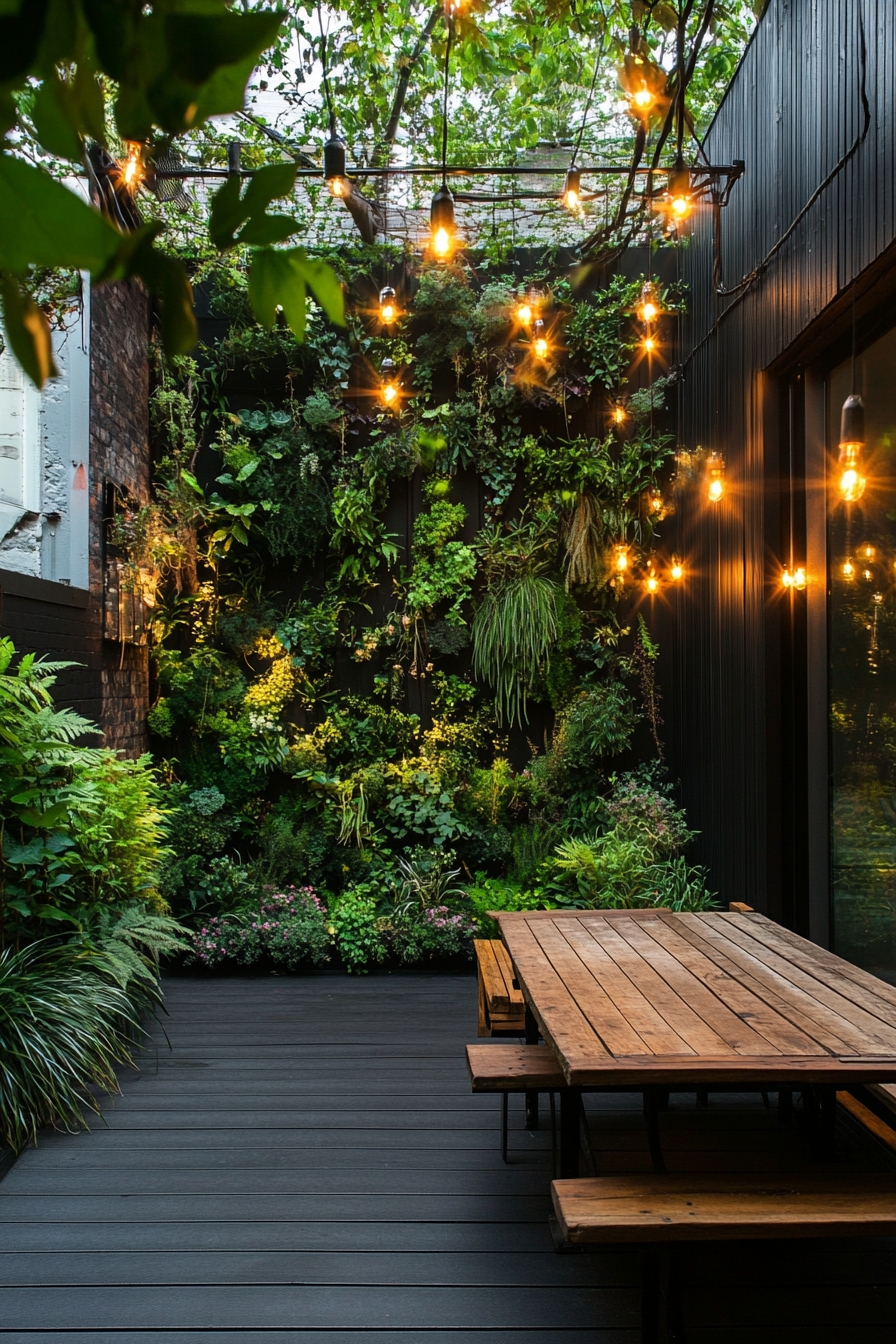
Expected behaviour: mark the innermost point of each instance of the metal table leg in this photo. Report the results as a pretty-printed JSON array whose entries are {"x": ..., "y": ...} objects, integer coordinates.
[
  {"x": 570, "y": 1122},
  {"x": 532, "y": 1038}
]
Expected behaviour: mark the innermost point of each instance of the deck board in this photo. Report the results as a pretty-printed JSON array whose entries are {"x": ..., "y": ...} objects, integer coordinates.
[{"x": 308, "y": 1165}]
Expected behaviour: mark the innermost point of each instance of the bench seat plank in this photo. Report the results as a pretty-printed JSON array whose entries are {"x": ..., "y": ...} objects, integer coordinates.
[
  {"x": 611, "y": 1209},
  {"x": 514, "y": 1068}
]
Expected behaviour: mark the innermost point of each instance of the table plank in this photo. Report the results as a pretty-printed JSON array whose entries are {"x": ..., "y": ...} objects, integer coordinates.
[
  {"x": 738, "y": 1035},
  {"x": 562, "y": 1023},
  {"x": 681, "y": 1018},
  {"x": 875, "y": 996},
  {"x": 873, "y": 1036},
  {"x": 797, "y": 1033},
  {"x": 653, "y": 1035},
  {"x": 618, "y": 1033},
  {"x": 770, "y": 1026}
]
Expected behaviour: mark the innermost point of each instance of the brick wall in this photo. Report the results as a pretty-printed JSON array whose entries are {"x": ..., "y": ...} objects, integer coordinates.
[
  {"x": 111, "y": 686},
  {"x": 119, "y": 452}
]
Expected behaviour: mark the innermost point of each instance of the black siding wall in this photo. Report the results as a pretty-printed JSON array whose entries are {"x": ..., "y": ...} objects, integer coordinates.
[{"x": 744, "y": 687}]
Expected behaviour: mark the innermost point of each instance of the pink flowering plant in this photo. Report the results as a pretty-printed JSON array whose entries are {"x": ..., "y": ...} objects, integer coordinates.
[{"x": 286, "y": 930}]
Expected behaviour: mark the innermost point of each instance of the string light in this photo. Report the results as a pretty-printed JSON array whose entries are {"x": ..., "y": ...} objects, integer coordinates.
[
  {"x": 677, "y": 570},
  {"x": 716, "y": 477},
  {"x": 852, "y": 442},
  {"x": 868, "y": 552},
  {"x": 572, "y": 189},
  {"x": 652, "y": 583},
  {"x": 388, "y": 388},
  {"x": 679, "y": 196},
  {"x": 848, "y": 569},
  {"x": 656, "y": 503},
  {"x": 441, "y": 219},
  {"x": 648, "y": 308},
  {"x": 794, "y": 579},
  {"x": 649, "y": 344},
  {"x": 334, "y": 168},
  {"x": 524, "y": 314},
  {"x": 642, "y": 100},
  {"x": 619, "y": 415},
  {"x": 130, "y": 171},
  {"x": 388, "y": 305},
  {"x": 539, "y": 344},
  {"x": 621, "y": 558}
]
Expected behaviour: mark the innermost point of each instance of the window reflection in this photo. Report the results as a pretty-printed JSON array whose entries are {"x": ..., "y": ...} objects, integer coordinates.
[{"x": 862, "y": 682}]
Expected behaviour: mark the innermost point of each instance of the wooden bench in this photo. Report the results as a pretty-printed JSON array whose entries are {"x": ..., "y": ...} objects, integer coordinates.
[
  {"x": 501, "y": 1003},
  {"x": 659, "y": 1211},
  {"x": 515, "y": 1068}
]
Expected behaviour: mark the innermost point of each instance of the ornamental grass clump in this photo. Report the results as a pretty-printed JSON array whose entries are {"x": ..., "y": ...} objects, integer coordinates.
[
  {"x": 65, "y": 1022},
  {"x": 284, "y": 931}
]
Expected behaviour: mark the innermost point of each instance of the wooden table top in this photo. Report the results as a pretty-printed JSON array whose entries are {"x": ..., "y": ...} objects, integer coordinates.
[{"x": 633, "y": 998}]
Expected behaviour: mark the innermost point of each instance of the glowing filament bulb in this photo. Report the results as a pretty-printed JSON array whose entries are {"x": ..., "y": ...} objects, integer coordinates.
[
  {"x": 388, "y": 306},
  {"x": 618, "y": 415},
  {"x": 656, "y": 503},
  {"x": 642, "y": 98},
  {"x": 649, "y": 344},
  {"x": 848, "y": 569},
  {"x": 716, "y": 491},
  {"x": 799, "y": 578},
  {"x": 681, "y": 206},
  {"x": 868, "y": 552},
  {"x": 541, "y": 348},
  {"x": 441, "y": 242},
  {"x": 716, "y": 477},
  {"x": 131, "y": 171},
  {"x": 337, "y": 187},
  {"x": 652, "y": 583},
  {"x": 390, "y": 392},
  {"x": 787, "y": 579},
  {"x": 648, "y": 311},
  {"x": 524, "y": 314},
  {"x": 621, "y": 559},
  {"x": 677, "y": 571}
]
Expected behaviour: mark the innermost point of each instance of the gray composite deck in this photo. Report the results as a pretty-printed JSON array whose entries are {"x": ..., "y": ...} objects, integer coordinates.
[{"x": 307, "y": 1164}]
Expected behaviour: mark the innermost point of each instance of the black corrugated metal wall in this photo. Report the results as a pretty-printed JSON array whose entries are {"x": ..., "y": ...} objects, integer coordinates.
[{"x": 734, "y": 666}]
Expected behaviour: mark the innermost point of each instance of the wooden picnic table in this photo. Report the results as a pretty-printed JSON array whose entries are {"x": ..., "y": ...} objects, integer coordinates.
[{"x": 653, "y": 999}]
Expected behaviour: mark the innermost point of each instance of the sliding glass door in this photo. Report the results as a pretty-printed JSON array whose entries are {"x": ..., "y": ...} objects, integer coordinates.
[{"x": 862, "y": 670}]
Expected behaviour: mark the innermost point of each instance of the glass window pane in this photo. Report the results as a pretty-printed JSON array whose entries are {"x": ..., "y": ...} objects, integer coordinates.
[{"x": 862, "y": 549}]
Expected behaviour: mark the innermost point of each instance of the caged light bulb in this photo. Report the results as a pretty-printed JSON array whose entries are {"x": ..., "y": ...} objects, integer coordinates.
[{"x": 388, "y": 305}]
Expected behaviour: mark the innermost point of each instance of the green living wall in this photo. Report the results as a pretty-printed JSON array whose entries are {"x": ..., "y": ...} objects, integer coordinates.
[{"x": 402, "y": 651}]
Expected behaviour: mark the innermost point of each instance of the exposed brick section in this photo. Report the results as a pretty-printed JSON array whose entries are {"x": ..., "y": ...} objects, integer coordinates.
[
  {"x": 112, "y": 688},
  {"x": 119, "y": 452}
]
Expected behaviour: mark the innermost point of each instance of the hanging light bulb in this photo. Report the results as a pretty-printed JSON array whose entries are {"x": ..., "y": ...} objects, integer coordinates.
[
  {"x": 852, "y": 441},
  {"x": 786, "y": 579},
  {"x": 388, "y": 305},
  {"x": 648, "y": 345},
  {"x": 677, "y": 570},
  {"x": 679, "y": 196},
  {"x": 641, "y": 100},
  {"x": 572, "y": 189},
  {"x": 848, "y": 569},
  {"x": 130, "y": 169},
  {"x": 648, "y": 308},
  {"x": 441, "y": 222},
  {"x": 652, "y": 583},
  {"x": 867, "y": 552},
  {"x": 524, "y": 313},
  {"x": 388, "y": 387},
  {"x": 334, "y": 168},
  {"x": 656, "y": 503},
  {"x": 716, "y": 477},
  {"x": 618, "y": 414},
  {"x": 539, "y": 343},
  {"x": 799, "y": 578},
  {"x": 621, "y": 558}
]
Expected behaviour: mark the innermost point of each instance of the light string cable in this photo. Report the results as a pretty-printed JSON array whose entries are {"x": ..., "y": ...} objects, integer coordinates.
[
  {"x": 597, "y": 63},
  {"x": 449, "y": 21},
  {"x": 326, "y": 74}
]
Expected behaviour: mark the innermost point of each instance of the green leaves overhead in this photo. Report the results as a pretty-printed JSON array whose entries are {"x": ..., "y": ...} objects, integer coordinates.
[
  {"x": 284, "y": 280},
  {"x": 27, "y": 331},
  {"x": 43, "y": 223},
  {"x": 230, "y": 209}
]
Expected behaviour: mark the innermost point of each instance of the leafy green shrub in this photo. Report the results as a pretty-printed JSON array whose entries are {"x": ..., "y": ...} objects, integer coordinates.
[
  {"x": 80, "y": 826},
  {"x": 357, "y": 929},
  {"x": 495, "y": 893},
  {"x": 287, "y": 930},
  {"x": 613, "y": 871}
]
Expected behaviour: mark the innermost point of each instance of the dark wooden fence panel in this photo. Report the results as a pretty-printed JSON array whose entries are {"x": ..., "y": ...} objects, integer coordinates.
[{"x": 793, "y": 113}]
